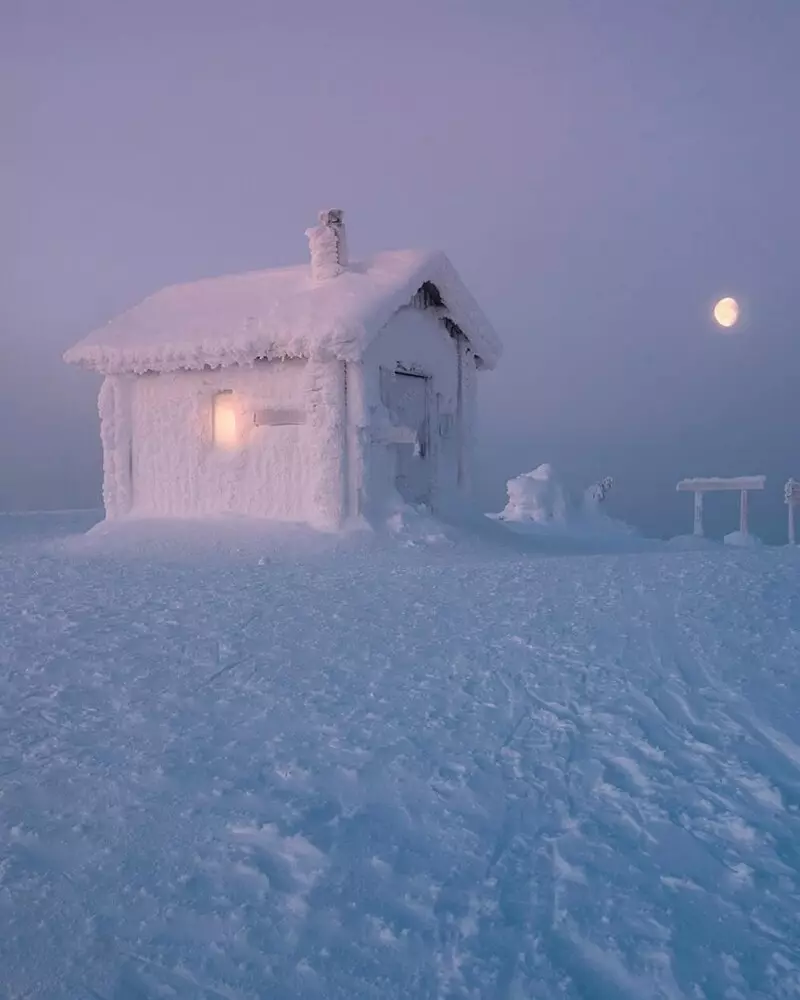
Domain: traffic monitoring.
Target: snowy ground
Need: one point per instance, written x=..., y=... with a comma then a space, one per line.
x=385, y=770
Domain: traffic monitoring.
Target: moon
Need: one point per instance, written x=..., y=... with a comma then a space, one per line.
x=726, y=312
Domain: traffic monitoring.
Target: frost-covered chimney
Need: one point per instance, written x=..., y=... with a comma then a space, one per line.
x=328, y=245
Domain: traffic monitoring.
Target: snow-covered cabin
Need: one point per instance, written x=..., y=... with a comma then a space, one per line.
x=311, y=394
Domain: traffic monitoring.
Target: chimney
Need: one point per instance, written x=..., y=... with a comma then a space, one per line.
x=328, y=245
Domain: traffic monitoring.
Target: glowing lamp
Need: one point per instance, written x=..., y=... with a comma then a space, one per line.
x=225, y=421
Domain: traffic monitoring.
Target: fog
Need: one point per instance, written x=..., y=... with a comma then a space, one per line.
x=599, y=173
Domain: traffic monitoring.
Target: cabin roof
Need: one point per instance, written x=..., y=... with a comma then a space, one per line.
x=282, y=313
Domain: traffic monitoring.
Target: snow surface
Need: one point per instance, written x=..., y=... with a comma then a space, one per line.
x=412, y=765
x=279, y=313
x=692, y=542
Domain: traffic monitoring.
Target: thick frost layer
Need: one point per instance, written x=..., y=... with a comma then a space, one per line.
x=286, y=472
x=277, y=314
x=424, y=771
x=414, y=339
x=328, y=245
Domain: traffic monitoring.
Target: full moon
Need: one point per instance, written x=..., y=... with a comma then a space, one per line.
x=726, y=312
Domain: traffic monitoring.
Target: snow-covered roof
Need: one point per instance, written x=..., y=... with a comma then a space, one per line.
x=280, y=313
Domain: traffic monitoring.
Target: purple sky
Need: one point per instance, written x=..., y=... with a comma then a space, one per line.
x=599, y=172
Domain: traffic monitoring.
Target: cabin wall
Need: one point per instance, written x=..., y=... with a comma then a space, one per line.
x=417, y=342
x=469, y=422
x=288, y=467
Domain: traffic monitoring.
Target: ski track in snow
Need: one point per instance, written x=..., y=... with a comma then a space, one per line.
x=429, y=772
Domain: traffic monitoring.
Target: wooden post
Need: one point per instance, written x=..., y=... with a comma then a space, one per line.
x=743, y=513
x=698, y=513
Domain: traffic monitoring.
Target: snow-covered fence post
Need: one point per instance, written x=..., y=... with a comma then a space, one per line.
x=791, y=494
x=698, y=513
x=743, y=513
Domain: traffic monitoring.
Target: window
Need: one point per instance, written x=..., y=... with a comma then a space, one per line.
x=225, y=420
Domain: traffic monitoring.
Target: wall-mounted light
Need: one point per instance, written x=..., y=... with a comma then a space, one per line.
x=225, y=420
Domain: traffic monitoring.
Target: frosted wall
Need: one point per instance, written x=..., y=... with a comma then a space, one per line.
x=276, y=471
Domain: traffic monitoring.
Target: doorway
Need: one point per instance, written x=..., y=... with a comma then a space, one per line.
x=409, y=403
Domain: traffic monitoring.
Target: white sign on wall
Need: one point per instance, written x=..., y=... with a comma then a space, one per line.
x=278, y=417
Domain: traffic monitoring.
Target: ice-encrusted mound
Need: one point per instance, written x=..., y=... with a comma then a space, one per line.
x=539, y=505
x=535, y=496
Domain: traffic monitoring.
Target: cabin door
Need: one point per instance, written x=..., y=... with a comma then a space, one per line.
x=409, y=404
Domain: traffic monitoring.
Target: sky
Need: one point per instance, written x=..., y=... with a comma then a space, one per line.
x=599, y=172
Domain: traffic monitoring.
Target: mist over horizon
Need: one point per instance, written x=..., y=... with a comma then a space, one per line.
x=598, y=178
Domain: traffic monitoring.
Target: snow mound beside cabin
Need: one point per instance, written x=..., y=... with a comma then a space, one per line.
x=536, y=496
x=408, y=772
x=539, y=508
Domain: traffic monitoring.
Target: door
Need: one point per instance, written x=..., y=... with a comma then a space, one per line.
x=408, y=403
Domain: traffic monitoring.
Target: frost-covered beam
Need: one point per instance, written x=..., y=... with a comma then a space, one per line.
x=717, y=484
